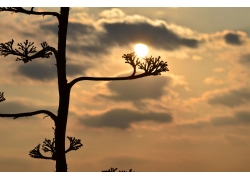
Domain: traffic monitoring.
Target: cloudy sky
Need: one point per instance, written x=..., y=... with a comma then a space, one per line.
x=195, y=117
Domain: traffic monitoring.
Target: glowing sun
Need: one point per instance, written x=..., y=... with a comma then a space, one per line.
x=141, y=50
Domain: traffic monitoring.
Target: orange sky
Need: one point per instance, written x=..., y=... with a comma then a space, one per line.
x=195, y=117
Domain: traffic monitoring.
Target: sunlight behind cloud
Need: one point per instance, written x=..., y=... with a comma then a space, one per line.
x=141, y=50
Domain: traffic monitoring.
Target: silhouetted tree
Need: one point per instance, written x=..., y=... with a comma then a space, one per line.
x=26, y=52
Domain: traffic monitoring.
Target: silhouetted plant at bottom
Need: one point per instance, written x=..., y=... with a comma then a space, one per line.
x=1, y=97
x=114, y=170
x=49, y=146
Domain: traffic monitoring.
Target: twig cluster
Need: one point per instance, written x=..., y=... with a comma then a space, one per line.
x=114, y=170
x=49, y=146
x=151, y=66
x=24, y=50
x=2, y=97
x=74, y=144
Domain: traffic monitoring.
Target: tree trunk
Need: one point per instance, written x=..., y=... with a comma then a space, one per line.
x=64, y=93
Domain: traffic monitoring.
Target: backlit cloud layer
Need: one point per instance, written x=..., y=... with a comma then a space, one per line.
x=195, y=117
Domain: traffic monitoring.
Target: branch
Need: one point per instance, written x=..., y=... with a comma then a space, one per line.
x=35, y=153
x=2, y=97
x=31, y=11
x=74, y=144
x=49, y=146
x=106, y=78
x=18, y=115
x=25, y=49
x=151, y=66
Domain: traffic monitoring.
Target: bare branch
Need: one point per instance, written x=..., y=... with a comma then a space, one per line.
x=31, y=11
x=106, y=78
x=25, y=49
x=18, y=115
x=2, y=97
x=151, y=66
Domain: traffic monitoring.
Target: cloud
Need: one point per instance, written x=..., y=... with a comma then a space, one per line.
x=135, y=90
x=75, y=29
x=214, y=81
x=123, y=118
x=38, y=71
x=19, y=106
x=47, y=71
x=233, y=39
x=232, y=98
x=88, y=50
x=114, y=28
x=76, y=69
x=241, y=117
x=8, y=107
x=121, y=33
x=245, y=59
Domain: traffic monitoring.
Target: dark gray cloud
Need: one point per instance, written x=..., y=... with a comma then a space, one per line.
x=76, y=69
x=122, y=118
x=157, y=36
x=88, y=50
x=74, y=29
x=232, y=39
x=241, y=117
x=38, y=71
x=232, y=98
x=14, y=107
x=47, y=71
x=245, y=59
x=134, y=90
x=11, y=107
x=121, y=34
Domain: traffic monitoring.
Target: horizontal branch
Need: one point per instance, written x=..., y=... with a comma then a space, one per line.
x=25, y=49
x=41, y=53
x=71, y=84
x=31, y=11
x=151, y=66
x=18, y=115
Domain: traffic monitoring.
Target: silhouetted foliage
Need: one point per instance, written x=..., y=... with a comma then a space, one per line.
x=2, y=97
x=151, y=66
x=114, y=170
x=49, y=146
x=26, y=52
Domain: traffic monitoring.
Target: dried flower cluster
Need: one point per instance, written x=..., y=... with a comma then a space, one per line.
x=151, y=66
x=25, y=50
x=114, y=170
x=49, y=146
x=2, y=97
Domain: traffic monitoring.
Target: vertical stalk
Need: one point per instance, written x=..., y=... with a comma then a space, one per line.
x=64, y=93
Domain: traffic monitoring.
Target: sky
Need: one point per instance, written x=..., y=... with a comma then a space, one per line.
x=195, y=117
